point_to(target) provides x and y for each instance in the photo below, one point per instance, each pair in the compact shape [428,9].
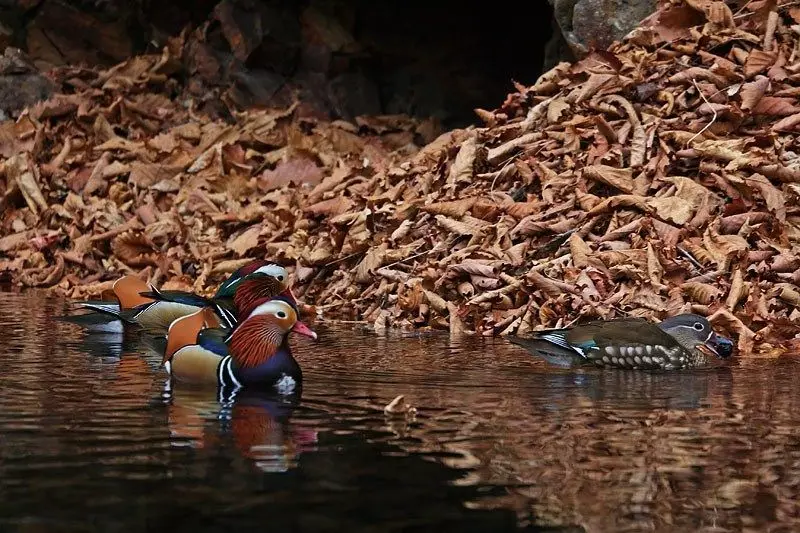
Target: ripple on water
[87,429]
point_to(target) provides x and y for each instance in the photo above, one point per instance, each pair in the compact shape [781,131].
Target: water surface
[90,440]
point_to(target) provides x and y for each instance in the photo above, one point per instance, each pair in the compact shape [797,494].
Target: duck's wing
[595,340]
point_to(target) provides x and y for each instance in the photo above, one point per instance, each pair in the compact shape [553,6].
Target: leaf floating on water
[398,407]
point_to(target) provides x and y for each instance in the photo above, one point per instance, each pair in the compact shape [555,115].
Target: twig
[742,8]
[740,15]
[341,259]
[713,118]
[500,172]
[409,258]
[557,260]
[130,224]
[691,258]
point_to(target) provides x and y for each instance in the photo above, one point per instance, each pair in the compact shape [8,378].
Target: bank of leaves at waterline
[657,177]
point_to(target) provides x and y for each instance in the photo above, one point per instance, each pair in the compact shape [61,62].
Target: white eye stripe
[273,270]
[273,308]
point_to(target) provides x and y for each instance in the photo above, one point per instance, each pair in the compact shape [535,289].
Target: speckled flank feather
[641,356]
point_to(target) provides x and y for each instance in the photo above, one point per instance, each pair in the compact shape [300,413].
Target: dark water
[90,441]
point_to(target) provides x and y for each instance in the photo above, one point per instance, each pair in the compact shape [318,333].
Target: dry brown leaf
[702,293]
[436,302]
[18,169]
[672,209]
[461,171]
[758,61]
[455,209]
[752,92]
[549,287]
[246,240]
[472,266]
[775,106]
[774,197]
[738,291]
[787,124]
[655,269]
[556,109]
[373,260]
[459,227]
[579,251]
[721,247]
[788,293]
[620,178]
[134,249]
[457,326]
[332,207]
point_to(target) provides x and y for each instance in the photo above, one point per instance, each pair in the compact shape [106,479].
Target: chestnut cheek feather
[255,341]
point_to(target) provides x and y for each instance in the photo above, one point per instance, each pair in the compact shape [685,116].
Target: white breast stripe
[230,373]
[220,370]
[226,315]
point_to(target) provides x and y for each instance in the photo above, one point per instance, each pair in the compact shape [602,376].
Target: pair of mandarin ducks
[239,336]
[236,338]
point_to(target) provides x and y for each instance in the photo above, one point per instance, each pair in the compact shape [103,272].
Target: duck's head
[254,282]
[695,332]
[267,275]
[265,330]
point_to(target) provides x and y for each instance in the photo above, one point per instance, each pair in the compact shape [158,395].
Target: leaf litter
[657,177]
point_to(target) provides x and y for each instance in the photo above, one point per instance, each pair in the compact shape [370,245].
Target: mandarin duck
[154,310]
[254,353]
[681,341]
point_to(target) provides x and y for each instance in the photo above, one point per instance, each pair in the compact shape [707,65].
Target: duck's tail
[555,353]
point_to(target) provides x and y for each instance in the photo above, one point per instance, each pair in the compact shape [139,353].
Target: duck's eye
[698,326]
[280,278]
[281,314]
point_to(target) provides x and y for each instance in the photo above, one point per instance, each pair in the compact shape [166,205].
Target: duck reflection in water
[258,424]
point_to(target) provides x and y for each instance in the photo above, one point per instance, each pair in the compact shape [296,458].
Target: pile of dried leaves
[657,177]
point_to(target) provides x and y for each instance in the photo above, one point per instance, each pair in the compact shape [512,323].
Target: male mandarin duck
[681,341]
[254,353]
[141,304]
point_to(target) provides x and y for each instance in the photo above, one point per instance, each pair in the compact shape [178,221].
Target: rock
[21,83]
[352,95]
[94,33]
[589,24]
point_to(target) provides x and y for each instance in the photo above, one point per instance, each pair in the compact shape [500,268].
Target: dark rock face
[21,83]
[589,24]
[340,58]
